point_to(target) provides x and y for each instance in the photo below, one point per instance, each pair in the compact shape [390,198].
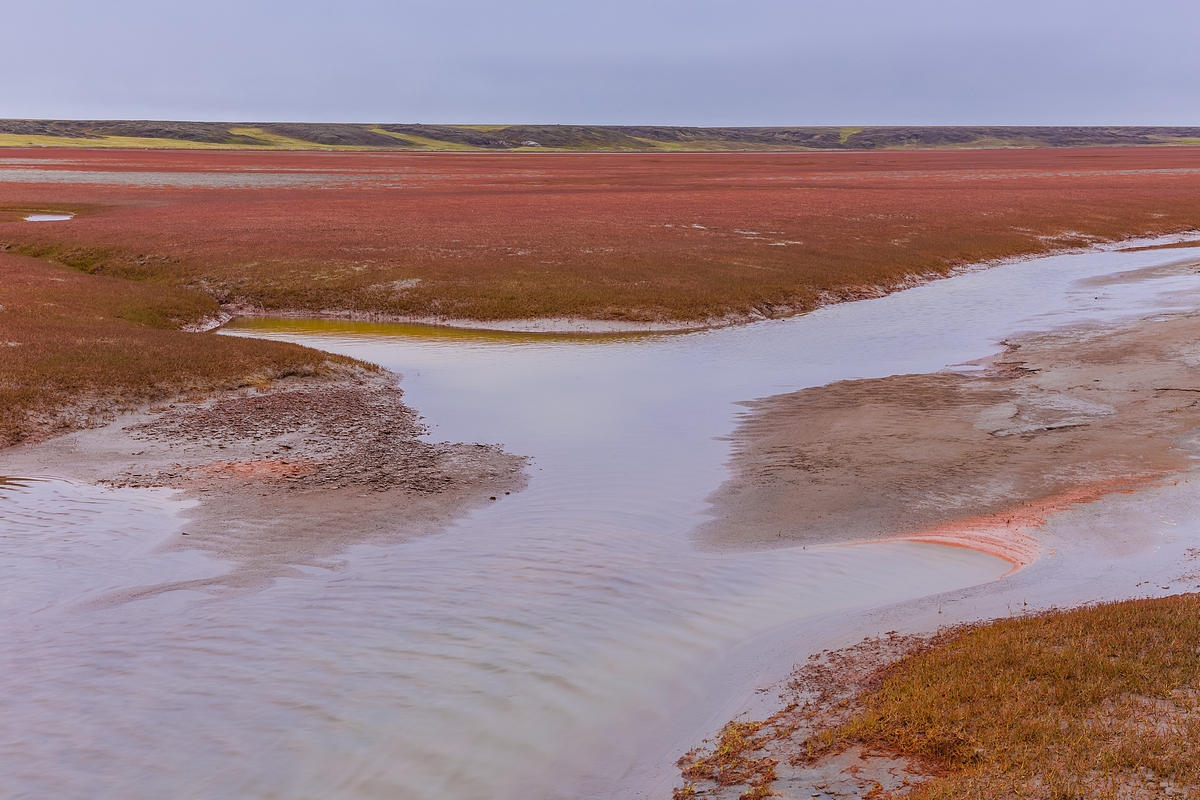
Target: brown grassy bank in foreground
[76,348]
[1099,702]
[640,237]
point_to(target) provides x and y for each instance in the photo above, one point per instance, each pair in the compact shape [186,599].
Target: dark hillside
[579,137]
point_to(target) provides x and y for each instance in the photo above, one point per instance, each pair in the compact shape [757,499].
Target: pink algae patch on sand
[1007,534]
[262,468]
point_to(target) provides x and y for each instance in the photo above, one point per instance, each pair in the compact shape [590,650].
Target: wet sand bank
[283,477]
[976,459]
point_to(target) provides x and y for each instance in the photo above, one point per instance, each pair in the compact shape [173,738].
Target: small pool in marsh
[540,645]
[49,217]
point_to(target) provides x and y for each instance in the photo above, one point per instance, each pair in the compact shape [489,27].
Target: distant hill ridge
[285,135]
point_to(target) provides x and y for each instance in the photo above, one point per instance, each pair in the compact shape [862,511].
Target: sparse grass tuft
[732,760]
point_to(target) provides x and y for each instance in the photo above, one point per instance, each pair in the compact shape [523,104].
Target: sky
[654,62]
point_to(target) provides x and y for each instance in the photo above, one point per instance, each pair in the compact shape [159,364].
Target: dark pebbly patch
[287,477]
[295,476]
[786,756]
[332,437]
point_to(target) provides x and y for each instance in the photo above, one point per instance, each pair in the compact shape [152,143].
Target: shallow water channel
[536,647]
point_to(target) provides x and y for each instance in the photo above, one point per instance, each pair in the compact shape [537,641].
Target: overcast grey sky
[678,62]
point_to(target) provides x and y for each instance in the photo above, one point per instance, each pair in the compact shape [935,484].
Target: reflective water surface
[49,217]
[506,657]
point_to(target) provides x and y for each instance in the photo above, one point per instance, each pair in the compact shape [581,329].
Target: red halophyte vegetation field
[603,236]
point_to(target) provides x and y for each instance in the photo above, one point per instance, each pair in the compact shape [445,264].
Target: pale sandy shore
[287,476]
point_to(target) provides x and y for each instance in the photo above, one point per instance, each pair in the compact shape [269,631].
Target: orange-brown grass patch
[602,236]
[75,348]
[1099,702]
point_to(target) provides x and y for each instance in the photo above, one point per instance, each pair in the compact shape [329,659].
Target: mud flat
[284,477]
[1058,418]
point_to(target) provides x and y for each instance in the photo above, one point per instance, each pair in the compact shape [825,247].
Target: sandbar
[977,457]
